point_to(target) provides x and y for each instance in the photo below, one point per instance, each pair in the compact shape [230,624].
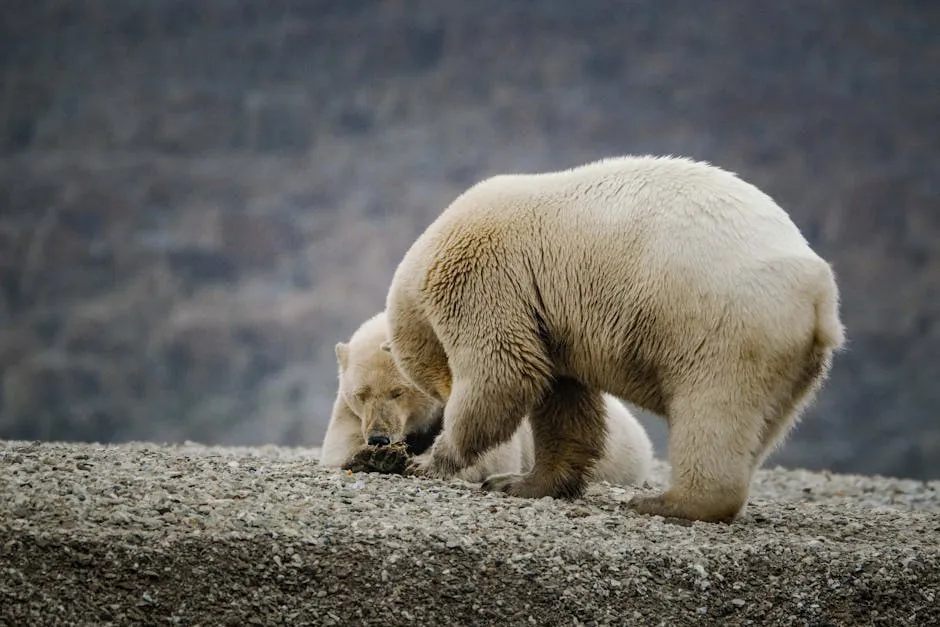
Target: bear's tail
[828,338]
[830,333]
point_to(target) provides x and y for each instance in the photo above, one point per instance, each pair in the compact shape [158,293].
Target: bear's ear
[386,346]
[342,354]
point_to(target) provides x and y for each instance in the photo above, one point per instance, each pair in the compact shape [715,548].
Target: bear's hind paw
[669,506]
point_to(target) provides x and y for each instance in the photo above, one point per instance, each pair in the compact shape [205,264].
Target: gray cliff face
[198,200]
[144,534]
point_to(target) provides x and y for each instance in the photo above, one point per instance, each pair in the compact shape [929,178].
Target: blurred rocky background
[199,199]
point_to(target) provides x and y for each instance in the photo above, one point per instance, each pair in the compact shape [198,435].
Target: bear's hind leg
[713,440]
[569,431]
[797,394]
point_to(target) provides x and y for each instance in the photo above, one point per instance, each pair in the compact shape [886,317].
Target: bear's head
[389,407]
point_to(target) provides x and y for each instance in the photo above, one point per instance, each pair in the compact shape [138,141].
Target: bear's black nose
[379,440]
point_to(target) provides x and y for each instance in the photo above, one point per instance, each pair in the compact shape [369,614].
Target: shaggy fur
[374,399]
[669,283]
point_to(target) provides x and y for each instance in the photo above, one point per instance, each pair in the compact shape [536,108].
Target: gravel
[151,534]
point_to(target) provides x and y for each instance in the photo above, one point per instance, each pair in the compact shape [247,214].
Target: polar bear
[376,406]
[667,282]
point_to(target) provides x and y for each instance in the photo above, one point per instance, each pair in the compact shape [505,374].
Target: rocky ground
[148,534]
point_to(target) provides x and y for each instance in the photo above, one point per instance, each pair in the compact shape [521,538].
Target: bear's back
[679,235]
[676,207]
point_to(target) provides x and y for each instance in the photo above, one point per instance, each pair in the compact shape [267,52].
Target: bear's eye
[396,393]
[361,395]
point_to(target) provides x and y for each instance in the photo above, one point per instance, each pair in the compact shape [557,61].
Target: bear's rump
[637,338]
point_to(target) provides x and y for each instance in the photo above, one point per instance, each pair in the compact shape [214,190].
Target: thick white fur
[627,458]
[664,281]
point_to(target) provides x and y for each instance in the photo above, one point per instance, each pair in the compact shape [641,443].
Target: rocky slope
[198,200]
[141,534]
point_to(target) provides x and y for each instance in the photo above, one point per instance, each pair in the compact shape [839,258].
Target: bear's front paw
[507,483]
[534,486]
[435,466]
[417,466]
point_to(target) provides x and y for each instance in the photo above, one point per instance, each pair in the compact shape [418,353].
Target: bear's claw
[416,467]
[424,466]
[430,465]
[501,483]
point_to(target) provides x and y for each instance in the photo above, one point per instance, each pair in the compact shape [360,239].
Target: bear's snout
[378,439]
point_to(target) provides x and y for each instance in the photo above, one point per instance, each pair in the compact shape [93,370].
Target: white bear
[376,406]
[667,282]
